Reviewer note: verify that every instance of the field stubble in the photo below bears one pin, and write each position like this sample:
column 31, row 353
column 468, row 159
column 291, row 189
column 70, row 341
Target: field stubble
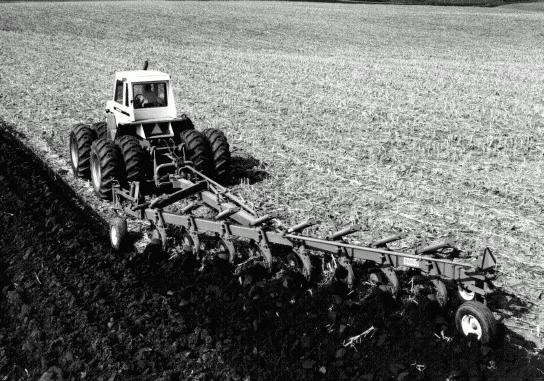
column 428, row 120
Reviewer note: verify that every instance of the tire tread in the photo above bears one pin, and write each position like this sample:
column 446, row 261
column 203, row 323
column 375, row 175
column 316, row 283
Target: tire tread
column 84, row 137
column 198, row 151
column 110, row 159
column 133, row 157
column 220, row 150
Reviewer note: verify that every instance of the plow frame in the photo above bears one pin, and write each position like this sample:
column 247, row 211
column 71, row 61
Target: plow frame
column 235, row 220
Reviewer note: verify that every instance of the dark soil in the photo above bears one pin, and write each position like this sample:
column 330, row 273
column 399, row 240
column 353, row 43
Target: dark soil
column 71, row 308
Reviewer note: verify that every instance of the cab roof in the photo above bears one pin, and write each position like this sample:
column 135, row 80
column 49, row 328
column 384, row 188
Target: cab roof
column 142, row 75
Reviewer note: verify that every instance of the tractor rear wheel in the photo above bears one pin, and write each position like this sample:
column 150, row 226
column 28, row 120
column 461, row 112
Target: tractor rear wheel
column 197, row 150
column 106, row 167
column 183, row 124
column 133, row 156
column 81, row 138
column 101, row 130
column 220, row 153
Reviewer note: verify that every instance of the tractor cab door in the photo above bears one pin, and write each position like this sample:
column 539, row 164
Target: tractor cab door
column 122, row 101
column 122, row 112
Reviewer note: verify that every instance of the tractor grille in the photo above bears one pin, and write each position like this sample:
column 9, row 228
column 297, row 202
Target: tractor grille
column 156, row 129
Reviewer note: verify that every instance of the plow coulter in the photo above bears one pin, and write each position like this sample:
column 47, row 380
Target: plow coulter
column 243, row 237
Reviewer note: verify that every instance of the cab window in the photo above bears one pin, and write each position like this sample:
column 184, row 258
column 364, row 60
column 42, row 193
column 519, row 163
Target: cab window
column 119, row 92
column 150, row 94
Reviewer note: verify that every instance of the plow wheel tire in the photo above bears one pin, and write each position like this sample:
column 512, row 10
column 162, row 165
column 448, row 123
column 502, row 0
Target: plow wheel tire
column 101, row 130
column 220, row 153
column 475, row 318
column 197, row 149
column 81, row 138
column 106, row 165
column 133, row 157
column 118, row 232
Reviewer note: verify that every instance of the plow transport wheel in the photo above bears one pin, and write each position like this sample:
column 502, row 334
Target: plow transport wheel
column 477, row 319
column 118, row 232
column 81, row 138
column 106, row 164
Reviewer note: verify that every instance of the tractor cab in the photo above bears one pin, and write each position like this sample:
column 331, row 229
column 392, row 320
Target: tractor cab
column 142, row 100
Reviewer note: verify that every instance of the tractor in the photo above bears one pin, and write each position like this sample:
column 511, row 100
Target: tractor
column 142, row 139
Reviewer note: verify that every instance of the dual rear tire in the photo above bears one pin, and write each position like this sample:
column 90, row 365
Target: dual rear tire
column 133, row 158
column 209, row 152
column 81, row 139
column 122, row 161
column 103, row 161
column 220, row 152
column 106, row 161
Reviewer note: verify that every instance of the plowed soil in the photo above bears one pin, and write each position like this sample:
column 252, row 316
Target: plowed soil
column 71, row 308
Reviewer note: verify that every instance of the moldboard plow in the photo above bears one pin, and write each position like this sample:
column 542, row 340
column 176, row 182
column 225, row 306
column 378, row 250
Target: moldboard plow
column 233, row 222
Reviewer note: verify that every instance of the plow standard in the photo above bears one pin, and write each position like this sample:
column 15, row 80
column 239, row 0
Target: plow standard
column 145, row 159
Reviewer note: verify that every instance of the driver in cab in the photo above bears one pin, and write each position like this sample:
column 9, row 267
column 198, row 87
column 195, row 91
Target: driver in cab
column 149, row 97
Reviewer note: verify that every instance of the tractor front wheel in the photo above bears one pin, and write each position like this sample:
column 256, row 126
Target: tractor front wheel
column 106, row 167
column 81, row 138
